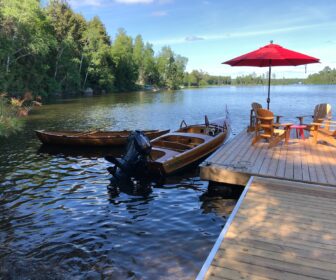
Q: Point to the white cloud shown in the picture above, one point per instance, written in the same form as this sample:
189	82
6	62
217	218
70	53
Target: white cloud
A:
134	1
193	38
162	2
77	3
252	33
159	13
96	3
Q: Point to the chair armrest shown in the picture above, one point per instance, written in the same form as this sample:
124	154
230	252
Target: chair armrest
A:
301	118
285	125
265	118
317	124
277	117
321	120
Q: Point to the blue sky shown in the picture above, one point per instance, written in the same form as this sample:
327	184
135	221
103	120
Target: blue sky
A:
212	31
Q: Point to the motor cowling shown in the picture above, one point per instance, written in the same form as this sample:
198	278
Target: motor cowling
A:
139	142
134	161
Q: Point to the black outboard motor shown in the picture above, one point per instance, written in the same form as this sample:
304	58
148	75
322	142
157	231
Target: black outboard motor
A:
134	162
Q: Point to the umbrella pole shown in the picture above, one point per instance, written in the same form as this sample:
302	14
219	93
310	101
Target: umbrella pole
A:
269	87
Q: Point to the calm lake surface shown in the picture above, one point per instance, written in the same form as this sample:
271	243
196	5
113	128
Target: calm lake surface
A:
57	219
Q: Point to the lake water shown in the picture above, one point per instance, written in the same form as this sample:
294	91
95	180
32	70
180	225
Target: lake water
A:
58	220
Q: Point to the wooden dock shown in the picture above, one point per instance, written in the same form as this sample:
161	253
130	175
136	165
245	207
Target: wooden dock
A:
279	229
300	160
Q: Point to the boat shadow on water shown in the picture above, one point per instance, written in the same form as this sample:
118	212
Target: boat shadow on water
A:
65	151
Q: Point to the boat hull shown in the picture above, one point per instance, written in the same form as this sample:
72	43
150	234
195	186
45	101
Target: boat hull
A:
101	138
187	158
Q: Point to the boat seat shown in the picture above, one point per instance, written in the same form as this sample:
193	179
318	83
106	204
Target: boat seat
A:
172	145
167	153
196	135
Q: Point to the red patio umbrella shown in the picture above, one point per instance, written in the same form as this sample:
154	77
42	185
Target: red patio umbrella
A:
271	55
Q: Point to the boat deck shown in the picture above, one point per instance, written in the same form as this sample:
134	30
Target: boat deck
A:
300	160
279	229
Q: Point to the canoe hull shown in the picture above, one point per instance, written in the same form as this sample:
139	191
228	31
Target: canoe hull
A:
76	138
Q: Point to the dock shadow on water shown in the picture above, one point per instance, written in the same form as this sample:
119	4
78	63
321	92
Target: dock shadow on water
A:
62	219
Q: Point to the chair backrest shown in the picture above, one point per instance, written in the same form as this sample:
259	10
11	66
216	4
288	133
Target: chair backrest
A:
265	121
255	106
253	115
321	112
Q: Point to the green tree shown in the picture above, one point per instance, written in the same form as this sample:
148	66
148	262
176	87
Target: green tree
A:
171	68
25	42
138	57
125	68
67	54
326	76
97	57
151	74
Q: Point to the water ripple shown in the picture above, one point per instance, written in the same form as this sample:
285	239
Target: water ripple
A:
57	219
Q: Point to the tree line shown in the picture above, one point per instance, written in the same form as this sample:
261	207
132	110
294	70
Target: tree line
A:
326	76
199	78
53	50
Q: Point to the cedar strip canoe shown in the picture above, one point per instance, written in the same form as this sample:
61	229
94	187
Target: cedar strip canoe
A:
189	144
91	138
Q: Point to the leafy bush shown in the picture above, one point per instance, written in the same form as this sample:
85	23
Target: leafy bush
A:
9	122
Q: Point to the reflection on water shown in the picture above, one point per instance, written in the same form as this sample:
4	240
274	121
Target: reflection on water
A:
59	221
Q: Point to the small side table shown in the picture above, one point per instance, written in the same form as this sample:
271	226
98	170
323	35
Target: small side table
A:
299	130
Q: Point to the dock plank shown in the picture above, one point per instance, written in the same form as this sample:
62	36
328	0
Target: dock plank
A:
280	230
300	160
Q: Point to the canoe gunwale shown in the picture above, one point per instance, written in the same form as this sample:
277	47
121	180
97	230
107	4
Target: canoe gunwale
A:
116	139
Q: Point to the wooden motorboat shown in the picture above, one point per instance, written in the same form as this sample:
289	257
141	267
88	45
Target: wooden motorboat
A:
91	138
174	151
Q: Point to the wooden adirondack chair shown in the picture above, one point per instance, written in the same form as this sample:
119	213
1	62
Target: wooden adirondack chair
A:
267	129
322	112
253	116
322	132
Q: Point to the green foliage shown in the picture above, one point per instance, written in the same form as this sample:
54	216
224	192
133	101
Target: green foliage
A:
251	79
9	123
326	76
199	79
150	70
171	68
53	50
98	61
125	67
25	42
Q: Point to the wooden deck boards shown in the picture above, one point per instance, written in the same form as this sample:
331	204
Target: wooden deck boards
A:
299	161
279	229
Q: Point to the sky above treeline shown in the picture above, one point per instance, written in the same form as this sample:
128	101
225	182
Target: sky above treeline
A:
209	32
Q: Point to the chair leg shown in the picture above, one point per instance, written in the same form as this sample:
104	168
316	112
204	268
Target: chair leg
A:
273	142
256	139
302	134
315	135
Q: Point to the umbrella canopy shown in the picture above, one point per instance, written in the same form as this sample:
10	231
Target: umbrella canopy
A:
271	55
